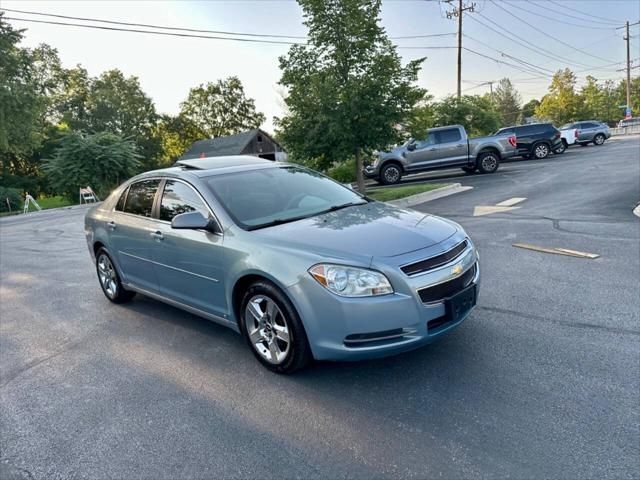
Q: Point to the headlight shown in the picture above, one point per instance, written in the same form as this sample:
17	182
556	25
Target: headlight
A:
351	281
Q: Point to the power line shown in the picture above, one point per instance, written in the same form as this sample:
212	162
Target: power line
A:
547	34
564	13
554	19
617	22
193	30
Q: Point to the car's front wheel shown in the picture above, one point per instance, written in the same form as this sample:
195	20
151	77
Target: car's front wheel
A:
273	329
390	174
541	150
110	280
599	139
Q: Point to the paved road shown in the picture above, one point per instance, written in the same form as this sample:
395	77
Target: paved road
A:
541	381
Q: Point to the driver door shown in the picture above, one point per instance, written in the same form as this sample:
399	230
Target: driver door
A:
423	154
189	263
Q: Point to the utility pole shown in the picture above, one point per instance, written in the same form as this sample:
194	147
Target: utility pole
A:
627	38
457	12
491	90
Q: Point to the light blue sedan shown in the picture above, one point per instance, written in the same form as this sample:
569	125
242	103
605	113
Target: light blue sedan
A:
303	267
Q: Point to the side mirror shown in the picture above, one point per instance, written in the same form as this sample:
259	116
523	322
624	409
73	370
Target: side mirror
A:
411	147
194	221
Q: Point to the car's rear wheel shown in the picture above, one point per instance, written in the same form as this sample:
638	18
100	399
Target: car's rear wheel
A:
110	280
541	150
469	169
273	329
598	139
390	174
488	162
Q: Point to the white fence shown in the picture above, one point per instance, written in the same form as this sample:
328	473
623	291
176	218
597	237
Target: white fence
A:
626	130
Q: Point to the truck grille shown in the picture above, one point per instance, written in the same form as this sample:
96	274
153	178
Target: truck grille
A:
434	262
447	289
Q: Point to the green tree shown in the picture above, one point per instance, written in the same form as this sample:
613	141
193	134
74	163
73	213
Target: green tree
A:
562	104
219	109
71	101
421	118
347	88
507	102
175	135
474	112
21	110
118	105
529	108
100	160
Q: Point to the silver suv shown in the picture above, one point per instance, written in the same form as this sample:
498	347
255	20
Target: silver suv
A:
590	131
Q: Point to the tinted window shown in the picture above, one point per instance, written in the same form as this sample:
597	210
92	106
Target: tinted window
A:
448	136
270	196
120	204
140	197
589	125
505	131
527	130
178	198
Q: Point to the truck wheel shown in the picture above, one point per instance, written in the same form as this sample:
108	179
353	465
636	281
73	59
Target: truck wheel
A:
469	169
390	174
488	162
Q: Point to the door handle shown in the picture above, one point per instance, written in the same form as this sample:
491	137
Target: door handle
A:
432	149
460	145
111	225
157	235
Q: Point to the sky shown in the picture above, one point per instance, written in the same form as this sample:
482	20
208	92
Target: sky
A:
578	34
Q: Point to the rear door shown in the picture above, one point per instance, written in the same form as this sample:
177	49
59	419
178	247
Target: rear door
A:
130	234
587	131
189	263
525	136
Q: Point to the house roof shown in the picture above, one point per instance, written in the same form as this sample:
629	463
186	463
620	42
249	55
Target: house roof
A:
220	146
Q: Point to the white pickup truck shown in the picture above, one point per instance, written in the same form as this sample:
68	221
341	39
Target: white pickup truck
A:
568	135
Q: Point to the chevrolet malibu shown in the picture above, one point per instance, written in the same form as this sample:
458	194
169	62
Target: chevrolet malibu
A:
303	267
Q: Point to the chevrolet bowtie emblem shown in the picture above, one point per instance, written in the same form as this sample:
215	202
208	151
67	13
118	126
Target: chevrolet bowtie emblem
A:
456	269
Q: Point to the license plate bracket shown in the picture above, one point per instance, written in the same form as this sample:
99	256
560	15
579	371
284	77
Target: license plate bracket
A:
459	304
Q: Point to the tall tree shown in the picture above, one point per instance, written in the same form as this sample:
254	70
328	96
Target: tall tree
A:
347	88
474	112
529	108
118	104
562	104
507	102
220	108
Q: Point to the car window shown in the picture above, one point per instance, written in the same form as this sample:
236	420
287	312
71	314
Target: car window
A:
505	131
430	140
120	204
526	130
589	125
140	198
178	198
448	136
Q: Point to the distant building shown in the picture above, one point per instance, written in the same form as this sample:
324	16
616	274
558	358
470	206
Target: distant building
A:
254	142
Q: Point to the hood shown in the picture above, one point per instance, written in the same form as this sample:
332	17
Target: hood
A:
373	229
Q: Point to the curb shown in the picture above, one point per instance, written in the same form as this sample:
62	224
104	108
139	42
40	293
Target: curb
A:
428	196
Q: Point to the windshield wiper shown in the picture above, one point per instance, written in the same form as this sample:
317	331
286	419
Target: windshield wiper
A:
280	221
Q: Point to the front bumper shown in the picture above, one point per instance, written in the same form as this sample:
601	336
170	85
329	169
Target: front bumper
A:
371	171
340	328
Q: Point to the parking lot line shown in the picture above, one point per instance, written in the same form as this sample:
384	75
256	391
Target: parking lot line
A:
557	251
511	202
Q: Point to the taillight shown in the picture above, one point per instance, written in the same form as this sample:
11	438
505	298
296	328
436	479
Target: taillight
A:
576	133
557	135
513	140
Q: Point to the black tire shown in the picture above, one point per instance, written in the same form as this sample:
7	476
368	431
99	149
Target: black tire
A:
488	162
469	169
561	149
110	280
298	354
599	139
390	173
541	151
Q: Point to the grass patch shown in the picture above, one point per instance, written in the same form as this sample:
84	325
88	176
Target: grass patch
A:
53	202
394	193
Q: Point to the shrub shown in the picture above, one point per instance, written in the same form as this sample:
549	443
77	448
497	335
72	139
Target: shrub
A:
344	172
13	195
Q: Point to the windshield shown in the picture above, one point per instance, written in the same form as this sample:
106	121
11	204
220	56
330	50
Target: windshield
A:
271	196
566	126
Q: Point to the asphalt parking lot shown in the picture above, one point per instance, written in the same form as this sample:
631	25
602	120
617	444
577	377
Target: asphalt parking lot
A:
541	382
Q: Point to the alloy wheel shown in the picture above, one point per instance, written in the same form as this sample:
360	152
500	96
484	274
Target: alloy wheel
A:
542	151
107	275
267	328
599	140
391	174
489	163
